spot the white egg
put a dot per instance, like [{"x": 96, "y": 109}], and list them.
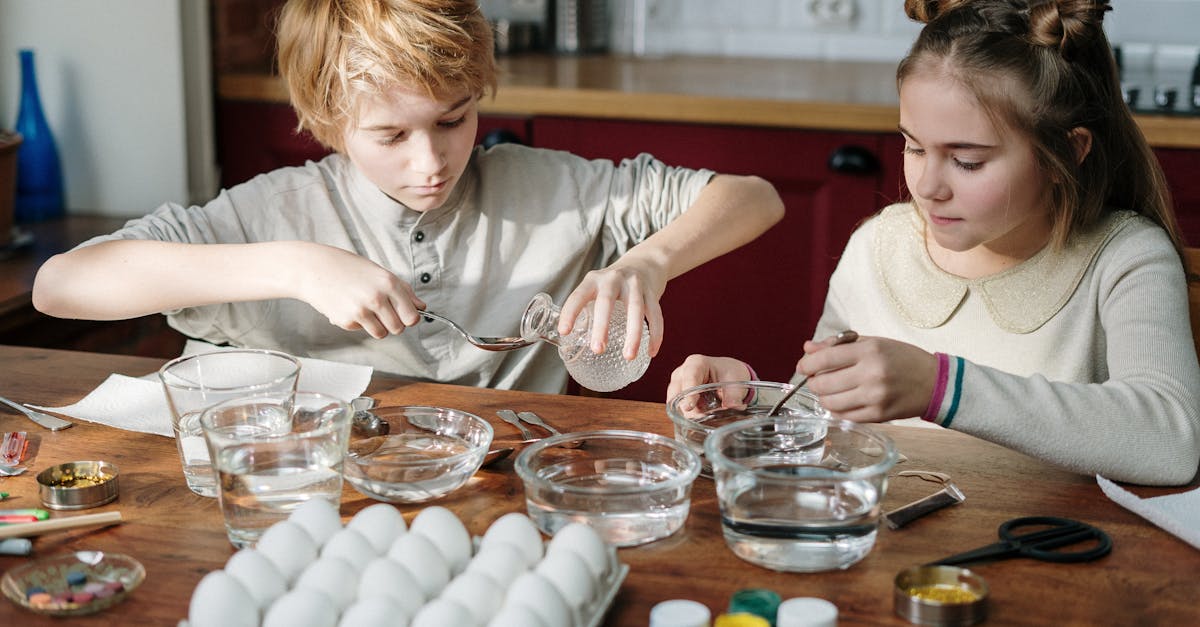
[
  {"x": 289, "y": 547},
  {"x": 516, "y": 616},
  {"x": 416, "y": 553},
  {"x": 319, "y": 518},
  {"x": 570, "y": 575},
  {"x": 374, "y": 612},
  {"x": 220, "y": 600},
  {"x": 501, "y": 561},
  {"x": 476, "y": 592},
  {"x": 535, "y": 592},
  {"x": 334, "y": 576},
  {"x": 584, "y": 541},
  {"x": 302, "y": 608},
  {"x": 447, "y": 533},
  {"x": 443, "y": 613},
  {"x": 258, "y": 574},
  {"x": 380, "y": 523},
  {"x": 518, "y": 530},
  {"x": 386, "y": 577},
  {"x": 351, "y": 546}
]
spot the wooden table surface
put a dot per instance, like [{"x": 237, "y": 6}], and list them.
[{"x": 1150, "y": 578}]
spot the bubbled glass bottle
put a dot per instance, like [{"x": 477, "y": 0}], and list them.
[{"x": 605, "y": 372}]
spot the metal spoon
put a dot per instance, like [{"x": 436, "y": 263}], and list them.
[
  {"x": 484, "y": 342},
  {"x": 45, "y": 420},
  {"x": 496, "y": 455},
  {"x": 845, "y": 337}
]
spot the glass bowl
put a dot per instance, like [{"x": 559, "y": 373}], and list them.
[
  {"x": 631, "y": 487},
  {"x": 73, "y": 584},
  {"x": 410, "y": 454},
  {"x": 698, "y": 411}
]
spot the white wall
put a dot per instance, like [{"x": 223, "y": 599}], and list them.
[{"x": 112, "y": 80}]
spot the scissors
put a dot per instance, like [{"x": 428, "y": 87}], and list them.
[{"x": 1040, "y": 545}]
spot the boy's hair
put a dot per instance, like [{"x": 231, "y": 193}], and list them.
[
  {"x": 334, "y": 52},
  {"x": 1043, "y": 68}
]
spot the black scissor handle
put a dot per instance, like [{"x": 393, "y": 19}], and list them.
[{"x": 1060, "y": 532}]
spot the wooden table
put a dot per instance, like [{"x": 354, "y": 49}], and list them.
[{"x": 1149, "y": 579}]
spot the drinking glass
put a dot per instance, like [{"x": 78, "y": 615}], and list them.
[
  {"x": 800, "y": 494},
  {"x": 193, "y": 383},
  {"x": 271, "y": 454}
]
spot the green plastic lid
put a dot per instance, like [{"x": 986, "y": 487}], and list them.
[{"x": 757, "y": 601}]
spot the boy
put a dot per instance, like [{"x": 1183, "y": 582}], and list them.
[{"x": 336, "y": 258}]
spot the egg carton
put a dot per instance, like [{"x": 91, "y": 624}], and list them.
[{"x": 376, "y": 568}]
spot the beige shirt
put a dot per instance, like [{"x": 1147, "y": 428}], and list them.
[
  {"x": 1082, "y": 357},
  {"x": 520, "y": 221}
]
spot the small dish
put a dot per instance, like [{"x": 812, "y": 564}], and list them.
[
  {"x": 940, "y": 595},
  {"x": 78, "y": 485},
  {"x": 98, "y": 580}
]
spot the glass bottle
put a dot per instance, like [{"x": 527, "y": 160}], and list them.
[
  {"x": 39, "y": 171},
  {"x": 605, "y": 372}
]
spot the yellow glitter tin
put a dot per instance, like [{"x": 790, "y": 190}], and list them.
[
  {"x": 78, "y": 485},
  {"x": 944, "y": 596}
]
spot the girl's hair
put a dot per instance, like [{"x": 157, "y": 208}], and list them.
[
  {"x": 1043, "y": 68},
  {"x": 334, "y": 52}
]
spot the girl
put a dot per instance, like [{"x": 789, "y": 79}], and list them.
[{"x": 1032, "y": 292}]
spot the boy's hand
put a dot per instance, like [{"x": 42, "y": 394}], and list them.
[
  {"x": 871, "y": 380},
  {"x": 354, "y": 292},
  {"x": 701, "y": 369},
  {"x": 636, "y": 283}
]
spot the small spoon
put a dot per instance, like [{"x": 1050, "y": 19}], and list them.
[
  {"x": 845, "y": 337},
  {"x": 486, "y": 343}
]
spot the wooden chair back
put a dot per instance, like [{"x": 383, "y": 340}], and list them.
[{"x": 1192, "y": 258}]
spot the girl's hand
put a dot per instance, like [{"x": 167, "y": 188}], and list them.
[
  {"x": 701, "y": 369},
  {"x": 871, "y": 380},
  {"x": 635, "y": 283},
  {"x": 354, "y": 292}
]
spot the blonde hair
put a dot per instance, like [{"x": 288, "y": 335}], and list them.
[
  {"x": 334, "y": 52},
  {"x": 1044, "y": 68}
]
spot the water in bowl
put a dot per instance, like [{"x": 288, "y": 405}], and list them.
[
  {"x": 403, "y": 467},
  {"x": 631, "y": 512}
]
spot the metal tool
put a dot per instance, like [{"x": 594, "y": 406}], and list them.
[
  {"x": 1041, "y": 545},
  {"x": 950, "y": 494},
  {"x": 510, "y": 416},
  {"x": 496, "y": 455},
  {"x": 486, "y": 343},
  {"x": 844, "y": 337},
  {"x": 45, "y": 420},
  {"x": 537, "y": 421}
]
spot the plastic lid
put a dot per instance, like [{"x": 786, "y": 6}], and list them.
[
  {"x": 680, "y": 613},
  {"x": 741, "y": 619},
  {"x": 806, "y": 612},
  {"x": 757, "y": 601}
]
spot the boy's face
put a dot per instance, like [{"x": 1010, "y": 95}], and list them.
[{"x": 413, "y": 147}]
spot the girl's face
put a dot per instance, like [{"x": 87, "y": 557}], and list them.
[
  {"x": 978, "y": 187},
  {"x": 413, "y": 147}
]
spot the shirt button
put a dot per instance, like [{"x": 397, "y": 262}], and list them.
[
  {"x": 426, "y": 277},
  {"x": 419, "y": 236}
]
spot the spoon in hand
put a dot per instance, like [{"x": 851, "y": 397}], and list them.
[
  {"x": 845, "y": 337},
  {"x": 486, "y": 343}
]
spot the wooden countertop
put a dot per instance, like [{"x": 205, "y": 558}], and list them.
[{"x": 827, "y": 95}]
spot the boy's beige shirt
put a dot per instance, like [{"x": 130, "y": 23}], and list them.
[{"x": 519, "y": 222}]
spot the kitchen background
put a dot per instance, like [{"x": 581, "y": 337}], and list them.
[{"x": 127, "y": 84}]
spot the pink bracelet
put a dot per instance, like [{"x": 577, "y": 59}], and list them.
[
  {"x": 752, "y": 393},
  {"x": 939, "y": 388}
]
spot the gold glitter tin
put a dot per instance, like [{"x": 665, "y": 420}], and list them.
[
  {"x": 944, "y": 596},
  {"x": 78, "y": 485}
]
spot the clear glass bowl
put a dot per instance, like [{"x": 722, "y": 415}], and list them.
[
  {"x": 698, "y": 411},
  {"x": 631, "y": 487},
  {"x": 410, "y": 454}
]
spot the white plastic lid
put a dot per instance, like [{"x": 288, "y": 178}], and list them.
[
  {"x": 680, "y": 613},
  {"x": 806, "y": 612}
]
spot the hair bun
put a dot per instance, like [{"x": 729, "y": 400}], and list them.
[
  {"x": 1067, "y": 24},
  {"x": 925, "y": 11}
]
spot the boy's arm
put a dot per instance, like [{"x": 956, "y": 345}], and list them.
[
  {"x": 129, "y": 278},
  {"x": 729, "y": 212}
]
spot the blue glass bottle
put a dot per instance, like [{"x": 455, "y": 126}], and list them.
[{"x": 39, "y": 171}]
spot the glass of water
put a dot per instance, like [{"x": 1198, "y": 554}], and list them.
[
  {"x": 193, "y": 383},
  {"x": 272, "y": 454},
  {"x": 800, "y": 494}
]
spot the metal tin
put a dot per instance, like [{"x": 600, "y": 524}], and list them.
[
  {"x": 913, "y": 601},
  {"x": 58, "y": 489}
]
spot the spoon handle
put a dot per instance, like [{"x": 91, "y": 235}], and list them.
[{"x": 844, "y": 337}]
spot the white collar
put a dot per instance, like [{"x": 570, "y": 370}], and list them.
[{"x": 1020, "y": 299}]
